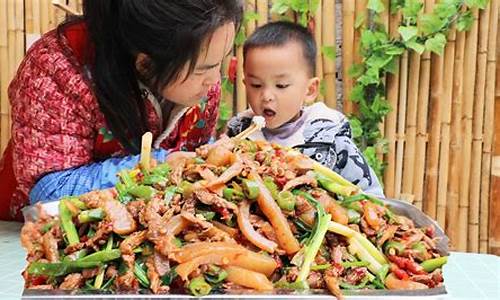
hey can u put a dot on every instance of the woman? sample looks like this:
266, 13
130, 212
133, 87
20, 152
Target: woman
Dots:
86, 92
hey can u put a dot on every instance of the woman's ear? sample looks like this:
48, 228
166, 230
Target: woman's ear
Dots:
140, 61
312, 90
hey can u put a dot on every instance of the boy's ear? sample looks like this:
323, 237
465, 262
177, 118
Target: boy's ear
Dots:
312, 90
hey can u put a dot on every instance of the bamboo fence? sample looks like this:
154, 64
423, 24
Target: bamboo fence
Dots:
440, 134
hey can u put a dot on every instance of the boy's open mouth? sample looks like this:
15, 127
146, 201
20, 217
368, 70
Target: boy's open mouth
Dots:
269, 113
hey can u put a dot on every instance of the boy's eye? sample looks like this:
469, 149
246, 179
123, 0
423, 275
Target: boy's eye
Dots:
282, 86
255, 85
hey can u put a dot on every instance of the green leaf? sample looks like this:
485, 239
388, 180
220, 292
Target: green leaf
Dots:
408, 32
465, 21
431, 23
446, 9
394, 50
227, 86
396, 5
368, 39
477, 3
355, 70
416, 46
360, 20
411, 10
280, 7
357, 93
356, 128
329, 52
378, 61
371, 76
380, 105
376, 5
240, 37
436, 44
251, 16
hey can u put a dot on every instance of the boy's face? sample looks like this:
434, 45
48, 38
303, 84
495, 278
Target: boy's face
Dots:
278, 83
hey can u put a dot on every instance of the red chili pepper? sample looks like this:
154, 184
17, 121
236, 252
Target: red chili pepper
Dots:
430, 231
407, 264
38, 280
281, 181
400, 274
231, 71
311, 25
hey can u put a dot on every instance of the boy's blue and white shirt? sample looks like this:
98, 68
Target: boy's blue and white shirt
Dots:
323, 134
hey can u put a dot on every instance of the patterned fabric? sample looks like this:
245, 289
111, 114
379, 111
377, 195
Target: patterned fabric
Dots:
57, 123
324, 135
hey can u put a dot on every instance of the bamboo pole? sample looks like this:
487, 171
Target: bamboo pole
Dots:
44, 15
422, 111
328, 40
432, 162
241, 103
318, 37
384, 16
263, 11
477, 132
391, 118
19, 31
411, 124
360, 11
469, 80
347, 52
447, 92
489, 125
455, 161
37, 29
250, 25
400, 137
4, 71
28, 17
12, 66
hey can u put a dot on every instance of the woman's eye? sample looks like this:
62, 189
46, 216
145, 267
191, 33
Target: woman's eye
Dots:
282, 86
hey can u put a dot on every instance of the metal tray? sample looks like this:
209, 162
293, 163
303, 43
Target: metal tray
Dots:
399, 207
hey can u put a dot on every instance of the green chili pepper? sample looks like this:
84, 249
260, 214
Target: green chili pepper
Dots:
60, 268
141, 275
161, 170
215, 274
286, 200
199, 287
91, 215
231, 194
169, 194
354, 216
208, 215
434, 263
154, 179
127, 180
393, 248
320, 267
251, 189
377, 283
67, 223
102, 256
271, 186
142, 191
199, 160
76, 202
420, 248
331, 186
351, 264
186, 188
177, 242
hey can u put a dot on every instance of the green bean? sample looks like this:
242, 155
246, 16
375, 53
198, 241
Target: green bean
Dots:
350, 264
60, 268
320, 267
67, 223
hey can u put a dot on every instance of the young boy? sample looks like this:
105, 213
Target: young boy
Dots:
279, 68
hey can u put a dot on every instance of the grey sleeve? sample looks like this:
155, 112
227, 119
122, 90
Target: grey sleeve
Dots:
352, 165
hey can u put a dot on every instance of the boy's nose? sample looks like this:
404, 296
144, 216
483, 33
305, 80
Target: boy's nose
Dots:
267, 96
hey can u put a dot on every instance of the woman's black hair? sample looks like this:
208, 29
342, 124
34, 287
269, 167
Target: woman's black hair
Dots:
169, 32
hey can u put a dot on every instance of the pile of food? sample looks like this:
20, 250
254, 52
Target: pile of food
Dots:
236, 214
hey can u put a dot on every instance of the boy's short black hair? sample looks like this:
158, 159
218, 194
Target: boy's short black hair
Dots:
275, 34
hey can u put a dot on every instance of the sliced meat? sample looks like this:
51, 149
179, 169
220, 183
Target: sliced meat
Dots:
208, 198
123, 222
72, 282
49, 244
307, 179
132, 241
